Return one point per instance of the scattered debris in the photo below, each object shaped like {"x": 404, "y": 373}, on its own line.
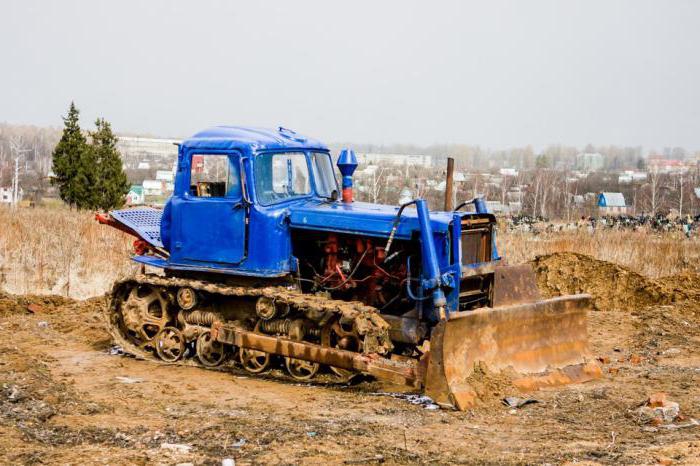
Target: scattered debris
{"x": 228, "y": 462}
{"x": 43, "y": 324}
{"x": 515, "y": 402}
{"x": 414, "y": 399}
{"x": 238, "y": 443}
{"x": 658, "y": 410}
{"x": 311, "y": 434}
{"x": 14, "y": 393}
{"x": 128, "y": 380}
{"x": 176, "y": 447}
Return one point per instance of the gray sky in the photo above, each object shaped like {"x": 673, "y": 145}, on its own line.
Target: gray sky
{"x": 494, "y": 73}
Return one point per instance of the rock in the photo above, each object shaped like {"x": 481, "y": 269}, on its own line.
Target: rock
{"x": 43, "y": 324}
{"x": 176, "y": 447}
{"x": 228, "y": 462}
{"x": 635, "y": 359}
{"x": 128, "y": 380}
{"x": 656, "y": 400}
{"x": 34, "y": 308}
{"x": 660, "y": 414}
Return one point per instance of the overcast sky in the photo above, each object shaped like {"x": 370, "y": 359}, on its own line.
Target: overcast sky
{"x": 493, "y": 73}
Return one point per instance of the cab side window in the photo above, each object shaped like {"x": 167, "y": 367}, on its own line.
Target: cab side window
{"x": 215, "y": 175}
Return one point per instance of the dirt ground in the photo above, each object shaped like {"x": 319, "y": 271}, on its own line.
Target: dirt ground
{"x": 65, "y": 399}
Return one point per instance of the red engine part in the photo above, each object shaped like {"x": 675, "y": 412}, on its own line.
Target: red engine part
{"x": 362, "y": 273}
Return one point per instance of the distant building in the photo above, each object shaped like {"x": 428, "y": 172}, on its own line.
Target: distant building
{"x": 405, "y": 196}
{"x": 135, "y": 151}
{"x": 165, "y": 175}
{"x": 612, "y": 204}
{"x": 508, "y": 172}
{"x": 629, "y": 176}
{"x": 153, "y": 187}
{"x": 590, "y": 162}
{"x": 6, "y": 195}
{"x": 658, "y": 164}
{"x": 412, "y": 160}
{"x": 135, "y": 195}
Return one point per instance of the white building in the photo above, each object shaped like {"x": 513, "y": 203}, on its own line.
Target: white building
{"x": 508, "y": 172}
{"x": 165, "y": 175}
{"x": 629, "y": 176}
{"x": 612, "y": 204}
{"x": 6, "y": 195}
{"x": 141, "y": 153}
{"x": 412, "y": 160}
{"x": 153, "y": 187}
{"x": 590, "y": 161}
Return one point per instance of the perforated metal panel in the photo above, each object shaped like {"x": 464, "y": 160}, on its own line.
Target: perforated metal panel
{"x": 145, "y": 222}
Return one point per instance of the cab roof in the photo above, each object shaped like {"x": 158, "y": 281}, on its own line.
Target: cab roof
{"x": 236, "y": 137}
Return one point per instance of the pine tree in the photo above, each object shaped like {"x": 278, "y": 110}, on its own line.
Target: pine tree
{"x": 66, "y": 157}
{"x": 111, "y": 185}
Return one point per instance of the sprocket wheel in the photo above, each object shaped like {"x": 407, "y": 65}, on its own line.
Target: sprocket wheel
{"x": 144, "y": 314}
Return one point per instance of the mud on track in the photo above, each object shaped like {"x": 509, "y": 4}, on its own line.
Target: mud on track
{"x": 62, "y": 399}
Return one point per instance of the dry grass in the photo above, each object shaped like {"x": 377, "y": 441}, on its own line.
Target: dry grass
{"x": 58, "y": 251}
{"x": 652, "y": 254}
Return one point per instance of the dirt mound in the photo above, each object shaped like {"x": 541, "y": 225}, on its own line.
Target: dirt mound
{"x": 12, "y": 304}
{"x": 612, "y": 286}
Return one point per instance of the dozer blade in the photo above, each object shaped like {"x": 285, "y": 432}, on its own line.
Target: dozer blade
{"x": 538, "y": 344}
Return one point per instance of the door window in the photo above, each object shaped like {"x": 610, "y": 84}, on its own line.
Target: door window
{"x": 213, "y": 175}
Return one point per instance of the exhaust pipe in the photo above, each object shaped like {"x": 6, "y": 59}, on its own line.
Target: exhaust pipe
{"x": 347, "y": 163}
{"x": 449, "y": 181}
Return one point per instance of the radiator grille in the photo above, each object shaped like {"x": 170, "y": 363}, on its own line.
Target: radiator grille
{"x": 476, "y": 245}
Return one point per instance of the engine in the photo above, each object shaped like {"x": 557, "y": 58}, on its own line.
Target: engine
{"x": 358, "y": 269}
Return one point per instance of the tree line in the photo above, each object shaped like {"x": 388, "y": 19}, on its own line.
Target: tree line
{"x": 88, "y": 174}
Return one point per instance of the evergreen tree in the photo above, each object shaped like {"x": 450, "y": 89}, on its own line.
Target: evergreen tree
{"x": 110, "y": 183}
{"x": 67, "y": 157}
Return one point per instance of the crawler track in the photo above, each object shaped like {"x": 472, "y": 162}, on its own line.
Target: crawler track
{"x": 368, "y": 324}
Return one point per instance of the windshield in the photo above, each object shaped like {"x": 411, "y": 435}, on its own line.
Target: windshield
{"x": 281, "y": 176}
{"x": 324, "y": 176}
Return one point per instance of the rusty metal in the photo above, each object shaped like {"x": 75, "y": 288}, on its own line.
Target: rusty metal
{"x": 540, "y": 343}
{"x": 210, "y": 353}
{"x": 144, "y": 314}
{"x": 406, "y": 329}
{"x": 186, "y": 298}
{"x": 514, "y": 284}
{"x": 265, "y": 308}
{"x": 449, "y": 183}
{"x": 397, "y": 372}
{"x": 170, "y": 344}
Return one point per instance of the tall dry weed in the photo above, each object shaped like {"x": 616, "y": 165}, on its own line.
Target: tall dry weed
{"x": 58, "y": 251}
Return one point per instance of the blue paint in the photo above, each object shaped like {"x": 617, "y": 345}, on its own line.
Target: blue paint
{"x": 347, "y": 163}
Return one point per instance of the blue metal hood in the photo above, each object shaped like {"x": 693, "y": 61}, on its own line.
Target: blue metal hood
{"x": 362, "y": 218}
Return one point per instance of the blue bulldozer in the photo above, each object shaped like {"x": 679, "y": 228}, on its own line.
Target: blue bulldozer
{"x": 260, "y": 259}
